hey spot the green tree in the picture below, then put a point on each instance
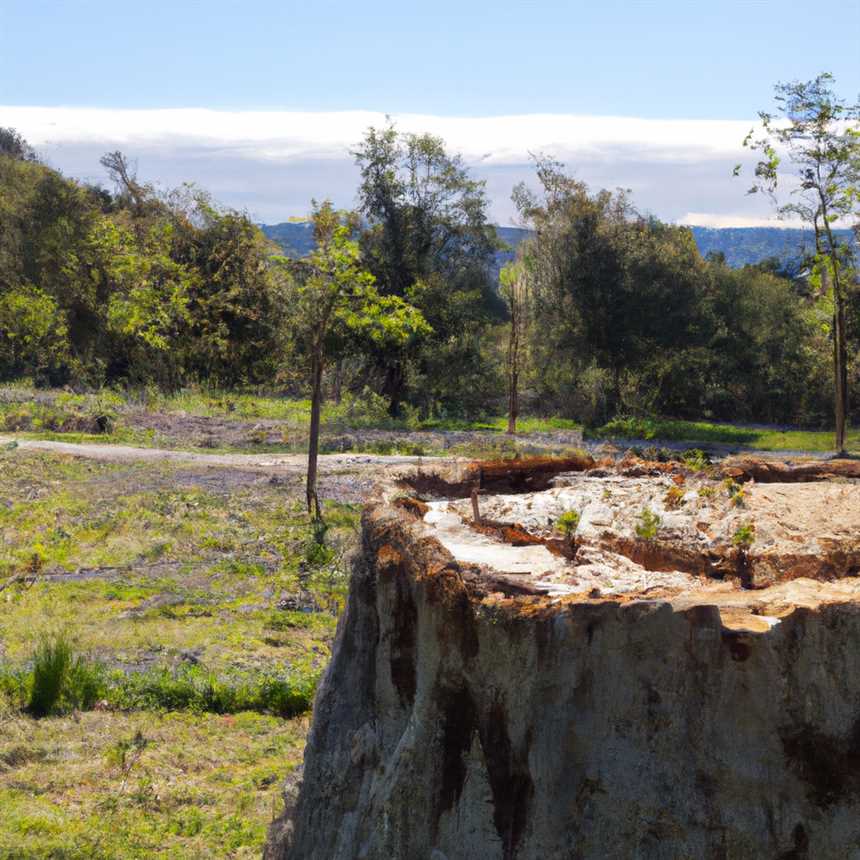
(820, 135)
(333, 303)
(33, 335)
(427, 240)
(610, 288)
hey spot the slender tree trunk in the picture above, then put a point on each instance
(314, 441)
(395, 382)
(337, 393)
(840, 347)
(513, 370)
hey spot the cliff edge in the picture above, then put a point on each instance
(501, 690)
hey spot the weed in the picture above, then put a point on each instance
(126, 752)
(648, 525)
(707, 492)
(735, 492)
(696, 459)
(568, 523)
(674, 497)
(60, 680)
(744, 536)
(51, 664)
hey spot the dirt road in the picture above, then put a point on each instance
(281, 463)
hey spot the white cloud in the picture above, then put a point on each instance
(273, 162)
(289, 134)
(709, 219)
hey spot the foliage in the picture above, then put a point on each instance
(132, 287)
(735, 492)
(820, 134)
(60, 679)
(428, 242)
(33, 335)
(568, 523)
(744, 536)
(648, 524)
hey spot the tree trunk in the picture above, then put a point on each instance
(513, 371)
(840, 347)
(314, 441)
(395, 382)
(337, 392)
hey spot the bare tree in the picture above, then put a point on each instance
(124, 175)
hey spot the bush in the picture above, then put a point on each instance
(568, 523)
(61, 681)
(51, 664)
(648, 525)
(33, 335)
(744, 537)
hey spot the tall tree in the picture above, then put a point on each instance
(334, 304)
(610, 288)
(428, 241)
(820, 135)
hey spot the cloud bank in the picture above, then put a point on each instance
(272, 163)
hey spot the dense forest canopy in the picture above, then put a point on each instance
(131, 286)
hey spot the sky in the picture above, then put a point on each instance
(261, 102)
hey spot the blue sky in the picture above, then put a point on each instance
(300, 67)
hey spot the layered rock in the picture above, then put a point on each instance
(493, 700)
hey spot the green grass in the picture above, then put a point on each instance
(163, 584)
(108, 785)
(669, 430)
(68, 418)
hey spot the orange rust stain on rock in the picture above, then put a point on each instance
(387, 557)
(413, 506)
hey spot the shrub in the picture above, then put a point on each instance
(51, 663)
(61, 681)
(33, 334)
(648, 525)
(568, 523)
(696, 459)
(744, 536)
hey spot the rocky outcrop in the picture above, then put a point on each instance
(474, 711)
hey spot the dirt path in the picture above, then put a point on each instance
(283, 463)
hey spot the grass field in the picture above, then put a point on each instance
(191, 591)
(281, 424)
(762, 438)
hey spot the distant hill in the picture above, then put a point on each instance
(741, 245)
(295, 237)
(744, 246)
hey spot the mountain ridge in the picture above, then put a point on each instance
(741, 246)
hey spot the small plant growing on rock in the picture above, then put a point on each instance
(735, 492)
(744, 536)
(648, 525)
(674, 498)
(707, 492)
(568, 523)
(696, 459)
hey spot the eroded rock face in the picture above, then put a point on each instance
(472, 712)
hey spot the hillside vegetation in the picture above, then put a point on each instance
(784, 248)
(135, 289)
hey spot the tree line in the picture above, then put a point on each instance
(604, 311)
